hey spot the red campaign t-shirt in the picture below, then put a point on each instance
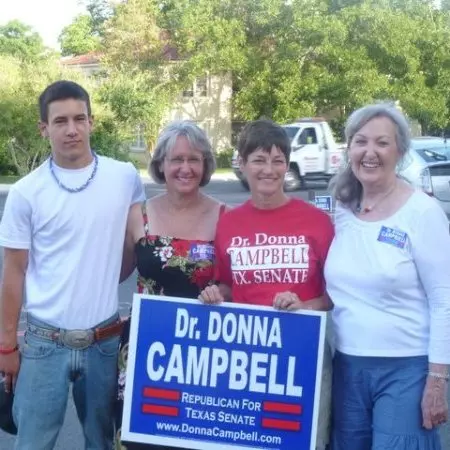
(260, 253)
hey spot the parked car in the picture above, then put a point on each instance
(427, 167)
(315, 155)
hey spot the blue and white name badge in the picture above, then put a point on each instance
(392, 236)
(199, 252)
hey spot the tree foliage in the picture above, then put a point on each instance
(85, 33)
(297, 58)
(287, 58)
(78, 37)
(19, 40)
(21, 147)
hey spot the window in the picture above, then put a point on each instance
(308, 136)
(198, 89)
(291, 131)
(139, 141)
(201, 87)
(189, 91)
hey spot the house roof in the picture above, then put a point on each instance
(81, 60)
(169, 53)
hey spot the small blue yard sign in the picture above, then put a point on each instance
(324, 202)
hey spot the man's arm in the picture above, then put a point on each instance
(15, 264)
(15, 238)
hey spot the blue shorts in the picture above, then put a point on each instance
(376, 404)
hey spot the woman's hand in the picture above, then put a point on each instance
(211, 295)
(434, 402)
(287, 301)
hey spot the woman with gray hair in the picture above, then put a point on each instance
(170, 237)
(387, 273)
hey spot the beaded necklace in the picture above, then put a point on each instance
(77, 189)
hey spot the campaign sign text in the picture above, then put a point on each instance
(324, 202)
(222, 377)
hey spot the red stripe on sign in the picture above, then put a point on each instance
(166, 394)
(148, 408)
(288, 408)
(277, 424)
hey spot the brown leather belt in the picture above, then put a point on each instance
(78, 339)
(114, 329)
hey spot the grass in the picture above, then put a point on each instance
(9, 179)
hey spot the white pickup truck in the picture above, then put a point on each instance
(315, 155)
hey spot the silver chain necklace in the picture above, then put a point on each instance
(77, 189)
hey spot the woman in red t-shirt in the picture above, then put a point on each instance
(271, 250)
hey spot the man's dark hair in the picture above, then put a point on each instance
(62, 90)
(263, 134)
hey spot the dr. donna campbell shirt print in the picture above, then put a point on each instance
(263, 252)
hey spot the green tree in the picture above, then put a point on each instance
(142, 82)
(404, 5)
(85, 33)
(287, 59)
(133, 37)
(405, 50)
(100, 11)
(78, 38)
(20, 86)
(19, 40)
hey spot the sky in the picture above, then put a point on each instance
(47, 17)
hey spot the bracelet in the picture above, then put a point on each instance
(9, 351)
(440, 376)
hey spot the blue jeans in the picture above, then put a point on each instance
(376, 404)
(46, 372)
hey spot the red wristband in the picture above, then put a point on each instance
(9, 351)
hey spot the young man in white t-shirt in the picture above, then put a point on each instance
(63, 231)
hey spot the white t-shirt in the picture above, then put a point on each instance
(75, 240)
(390, 282)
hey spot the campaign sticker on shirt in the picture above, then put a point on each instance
(393, 237)
(199, 252)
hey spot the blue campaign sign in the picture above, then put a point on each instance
(324, 202)
(222, 377)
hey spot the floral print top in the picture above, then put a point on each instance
(172, 266)
(166, 266)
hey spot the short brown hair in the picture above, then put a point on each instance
(263, 134)
(62, 90)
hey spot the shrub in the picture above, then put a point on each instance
(223, 158)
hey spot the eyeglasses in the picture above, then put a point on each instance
(193, 161)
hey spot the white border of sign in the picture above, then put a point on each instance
(127, 435)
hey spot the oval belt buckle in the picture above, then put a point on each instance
(79, 339)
